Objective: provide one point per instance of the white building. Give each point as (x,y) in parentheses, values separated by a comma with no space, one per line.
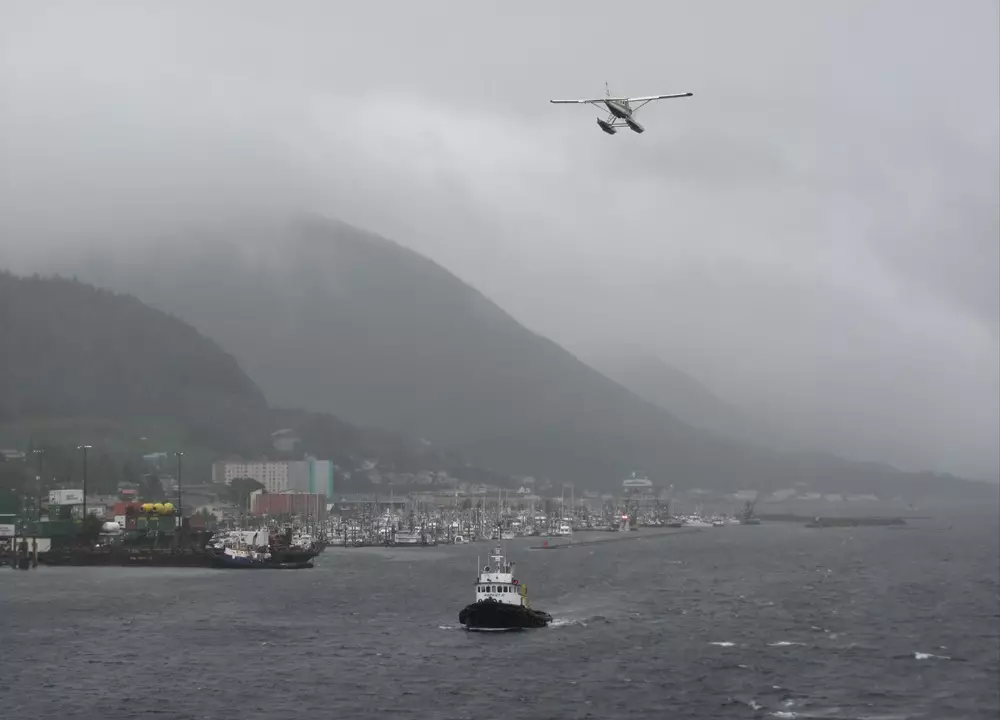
(637,485)
(155,459)
(273,475)
(278,476)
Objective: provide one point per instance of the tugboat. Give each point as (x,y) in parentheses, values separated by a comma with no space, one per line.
(501,602)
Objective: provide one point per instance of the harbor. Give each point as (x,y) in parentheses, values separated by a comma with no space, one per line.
(290,530)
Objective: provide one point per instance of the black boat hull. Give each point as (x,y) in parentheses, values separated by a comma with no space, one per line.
(118,558)
(293,556)
(493,615)
(211,559)
(230,563)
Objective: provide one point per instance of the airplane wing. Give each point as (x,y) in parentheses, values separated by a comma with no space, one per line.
(658,97)
(648,98)
(590,100)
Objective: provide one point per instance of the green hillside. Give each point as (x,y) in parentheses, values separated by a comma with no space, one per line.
(82,364)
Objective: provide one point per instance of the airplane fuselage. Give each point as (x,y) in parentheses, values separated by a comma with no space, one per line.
(619,110)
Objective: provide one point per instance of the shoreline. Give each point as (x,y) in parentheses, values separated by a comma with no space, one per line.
(635,535)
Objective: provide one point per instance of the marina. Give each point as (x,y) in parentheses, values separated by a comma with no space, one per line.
(152,535)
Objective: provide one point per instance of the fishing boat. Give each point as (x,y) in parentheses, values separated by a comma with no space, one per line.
(696,521)
(412,538)
(501,601)
(249,559)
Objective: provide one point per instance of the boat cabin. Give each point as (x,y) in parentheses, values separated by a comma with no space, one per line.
(496,582)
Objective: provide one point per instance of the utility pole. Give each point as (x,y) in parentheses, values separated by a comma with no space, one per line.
(85,448)
(180,511)
(38,484)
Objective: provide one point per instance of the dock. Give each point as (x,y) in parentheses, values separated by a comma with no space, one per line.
(619,537)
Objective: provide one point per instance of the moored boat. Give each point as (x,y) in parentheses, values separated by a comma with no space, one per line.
(696,521)
(246,559)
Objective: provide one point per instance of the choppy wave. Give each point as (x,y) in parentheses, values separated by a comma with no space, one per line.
(709,625)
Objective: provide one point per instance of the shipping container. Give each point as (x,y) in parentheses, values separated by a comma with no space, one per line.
(65,497)
(123,507)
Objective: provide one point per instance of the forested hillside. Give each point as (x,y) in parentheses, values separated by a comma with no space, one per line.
(333,319)
(74,353)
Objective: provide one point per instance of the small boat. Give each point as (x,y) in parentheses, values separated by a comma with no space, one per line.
(408,537)
(501,601)
(696,521)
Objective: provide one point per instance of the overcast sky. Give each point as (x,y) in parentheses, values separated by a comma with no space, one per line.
(816,232)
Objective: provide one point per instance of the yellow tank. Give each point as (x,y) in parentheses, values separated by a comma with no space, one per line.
(147,507)
(158,507)
(168,508)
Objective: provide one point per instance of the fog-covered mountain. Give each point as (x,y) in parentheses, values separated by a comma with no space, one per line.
(79,364)
(672,389)
(331,318)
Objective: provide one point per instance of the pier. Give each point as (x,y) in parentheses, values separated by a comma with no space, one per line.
(620,537)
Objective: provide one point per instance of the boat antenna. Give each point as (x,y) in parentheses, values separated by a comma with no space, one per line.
(501,544)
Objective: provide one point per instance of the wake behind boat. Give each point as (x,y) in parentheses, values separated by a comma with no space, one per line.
(501,601)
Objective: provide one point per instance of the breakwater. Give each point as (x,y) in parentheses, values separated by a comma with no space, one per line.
(620,537)
(822,522)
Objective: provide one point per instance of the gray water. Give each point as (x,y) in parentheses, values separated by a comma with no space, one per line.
(774,620)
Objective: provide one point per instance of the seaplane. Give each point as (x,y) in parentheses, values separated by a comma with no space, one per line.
(621,110)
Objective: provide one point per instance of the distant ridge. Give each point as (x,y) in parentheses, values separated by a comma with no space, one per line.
(334,319)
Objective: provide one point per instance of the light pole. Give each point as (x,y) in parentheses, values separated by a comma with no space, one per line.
(85,448)
(180,511)
(38,484)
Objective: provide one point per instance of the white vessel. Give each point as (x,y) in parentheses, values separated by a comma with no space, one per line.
(695,521)
(501,601)
(412,538)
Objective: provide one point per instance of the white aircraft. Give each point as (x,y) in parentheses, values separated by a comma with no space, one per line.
(622,110)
